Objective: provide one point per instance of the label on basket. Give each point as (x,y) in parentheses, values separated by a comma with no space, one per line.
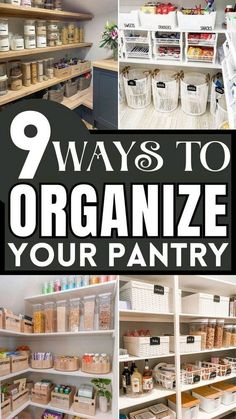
(190,339)
(191,88)
(155,340)
(165,27)
(228,372)
(161,85)
(213,374)
(129,25)
(158,289)
(216,299)
(206,28)
(131,83)
(196,378)
(219,90)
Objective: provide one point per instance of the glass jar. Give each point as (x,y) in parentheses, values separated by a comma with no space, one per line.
(218,341)
(89,312)
(4,43)
(233,336)
(227,335)
(50,283)
(81,31)
(49,4)
(50,75)
(74,315)
(85,280)
(29,27)
(94,280)
(15,68)
(34,80)
(26,3)
(64,282)
(17,43)
(78,281)
(64,35)
(103,278)
(3,26)
(210,333)
(57,283)
(71,282)
(61,316)
(71,33)
(38,318)
(40,80)
(50,317)
(15,2)
(38,3)
(104,311)
(3,69)
(41,27)
(41,41)
(199,328)
(16,82)
(52,38)
(76,35)
(26,70)
(30,42)
(53,26)
(57,4)
(3,85)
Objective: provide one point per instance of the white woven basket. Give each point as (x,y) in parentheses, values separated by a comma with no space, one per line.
(221,112)
(137,86)
(194,93)
(165,91)
(141,346)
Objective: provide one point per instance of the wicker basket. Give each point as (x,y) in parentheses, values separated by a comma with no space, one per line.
(71,88)
(19,363)
(84,82)
(194,93)
(232,362)
(137,86)
(221,111)
(147,346)
(165,91)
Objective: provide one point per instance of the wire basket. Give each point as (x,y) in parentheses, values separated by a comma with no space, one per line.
(221,369)
(194,93)
(221,111)
(232,362)
(165,90)
(71,88)
(165,375)
(137,86)
(191,374)
(84,82)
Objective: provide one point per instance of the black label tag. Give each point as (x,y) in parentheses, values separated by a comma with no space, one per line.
(129,25)
(161,85)
(191,88)
(190,339)
(219,90)
(206,28)
(155,340)
(164,27)
(213,374)
(131,83)
(216,299)
(196,378)
(228,372)
(158,289)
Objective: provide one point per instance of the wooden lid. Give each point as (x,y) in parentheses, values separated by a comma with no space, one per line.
(208,392)
(224,386)
(186,400)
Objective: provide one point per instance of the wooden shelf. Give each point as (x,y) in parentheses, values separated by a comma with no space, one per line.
(35,51)
(11,96)
(83,97)
(10,10)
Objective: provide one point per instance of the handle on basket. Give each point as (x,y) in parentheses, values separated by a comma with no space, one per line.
(155,72)
(125,70)
(208,78)
(180,75)
(147,73)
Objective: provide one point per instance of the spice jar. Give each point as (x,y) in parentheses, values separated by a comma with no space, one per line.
(104,311)
(3,69)
(3,85)
(199,328)
(74,315)
(41,27)
(210,333)
(227,335)
(50,317)
(34,75)
(38,318)
(29,27)
(89,312)
(26,71)
(41,41)
(17,43)
(16,82)
(233,336)
(3,26)
(218,341)
(30,42)
(61,316)
(15,68)
(64,35)
(40,71)
(4,43)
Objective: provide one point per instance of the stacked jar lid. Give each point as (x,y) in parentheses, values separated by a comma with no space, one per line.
(4,35)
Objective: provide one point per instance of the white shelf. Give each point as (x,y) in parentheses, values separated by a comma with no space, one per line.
(228,95)
(150,316)
(157,393)
(193,64)
(186,317)
(73,293)
(219,413)
(138,358)
(208,284)
(9,333)
(17,411)
(187,387)
(52,371)
(218,29)
(231,348)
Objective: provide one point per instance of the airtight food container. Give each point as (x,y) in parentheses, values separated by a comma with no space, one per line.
(190,405)
(229,391)
(210,398)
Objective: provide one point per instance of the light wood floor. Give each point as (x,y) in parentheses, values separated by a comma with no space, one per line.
(149,118)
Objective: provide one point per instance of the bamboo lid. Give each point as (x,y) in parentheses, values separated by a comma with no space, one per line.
(186,400)
(208,392)
(224,386)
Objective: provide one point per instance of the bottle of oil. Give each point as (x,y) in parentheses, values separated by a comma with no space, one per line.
(126,379)
(136,383)
(147,378)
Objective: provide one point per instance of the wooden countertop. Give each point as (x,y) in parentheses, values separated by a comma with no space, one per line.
(109,64)
(85,97)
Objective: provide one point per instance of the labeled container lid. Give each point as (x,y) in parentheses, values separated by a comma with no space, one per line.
(208,392)
(187,400)
(224,386)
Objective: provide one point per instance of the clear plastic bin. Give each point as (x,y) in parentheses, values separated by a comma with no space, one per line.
(227,335)
(104,311)
(61,316)
(38,318)
(199,327)
(89,312)
(50,317)
(210,333)
(218,340)
(74,315)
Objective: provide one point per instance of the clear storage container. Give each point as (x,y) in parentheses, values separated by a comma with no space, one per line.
(17,43)
(30,42)
(38,318)
(61,316)
(233,336)
(34,80)
(89,312)
(3,85)
(3,69)
(105,311)
(210,333)
(210,399)
(50,317)
(227,335)
(4,43)
(218,340)
(228,390)
(15,68)
(190,405)
(74,315)
(3,26)
(29,27)
(41,27)
(199,327)
(16,82)
(40,71)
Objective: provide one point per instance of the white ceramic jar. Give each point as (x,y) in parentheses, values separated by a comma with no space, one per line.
(29,27)
(41,41)
(4,43)
(30,42)
(3,27)
(17,43)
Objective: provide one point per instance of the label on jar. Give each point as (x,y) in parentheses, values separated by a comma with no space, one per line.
(147,383)
(135,385)
(158,289)
(155,340)
(30,43)
(29,30)
(3,28)
(4,44)
(41,41)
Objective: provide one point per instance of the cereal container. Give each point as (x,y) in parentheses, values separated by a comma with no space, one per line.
(3,27)
(61,316)
(199,327)
(50,317)
(210,333)
(89,312)
(38,318)
(227,335)
(233,336)
(74,315)
(218,340)
(104,311)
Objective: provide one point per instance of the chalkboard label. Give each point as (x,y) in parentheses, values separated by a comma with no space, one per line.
(158,289)
(190,339)
(213,374)
(228,372)
(216,299)
(196,378)
(131,83)
(164,27)
(206,28)
(161,85)
(191,88)
(219,90)
(155,340)
(129,25)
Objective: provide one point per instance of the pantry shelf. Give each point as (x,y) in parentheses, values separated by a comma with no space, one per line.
(19,410)
(99,415)
(35,51)
(207,382)
(7,333)
(55,372)
(231,348)
(11,96)
(73,293)
(204,283)
(193,64)
(150,316)
(9,10)
(219,413)
(81,98)
(157,393)
(138,358)
(186,317)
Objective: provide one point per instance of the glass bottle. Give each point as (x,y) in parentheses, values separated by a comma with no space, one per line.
(133,366)
(136,383)
(147,378)
(126,379)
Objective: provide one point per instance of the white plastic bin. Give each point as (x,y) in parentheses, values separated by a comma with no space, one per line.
(194,93)
(229,392)
(210,399)
(190,405)
(158,21)
(146,297)
(197,22)
(206,304)
(129,20)
(165,90)
(188,344)
(137,86)
(221,111)
(147,346)
(216,93)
